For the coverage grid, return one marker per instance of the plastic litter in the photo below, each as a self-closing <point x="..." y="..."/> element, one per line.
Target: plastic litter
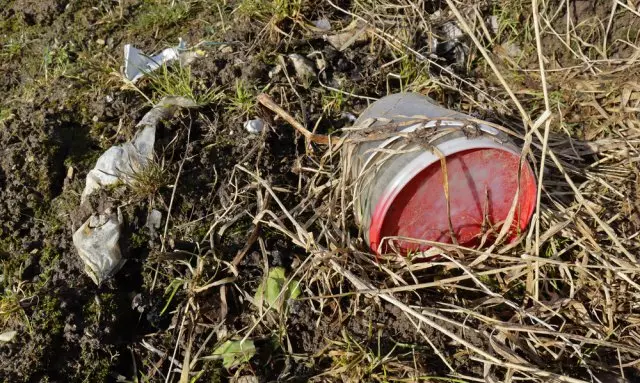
<point x="97" y="239"/>
<point x="121" y="162"/>
<point x="137" y="63"/>
<point x="154" y="220"/>
<point x="254" y="126"/>
<point x="451" y="31"/>
<point x="397" y="182"/>
<point x="97" y="242"/>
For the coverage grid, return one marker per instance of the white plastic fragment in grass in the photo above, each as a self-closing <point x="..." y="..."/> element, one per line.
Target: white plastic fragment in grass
<point x="254" y="126"/>
<point x="120" y="163"/>
<point x="137" y="63"/>
<point x="97" y="242"/>
<point x="154" y="220"/>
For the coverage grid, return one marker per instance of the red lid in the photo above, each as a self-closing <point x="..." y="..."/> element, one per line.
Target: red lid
<point x="482" y="182"/>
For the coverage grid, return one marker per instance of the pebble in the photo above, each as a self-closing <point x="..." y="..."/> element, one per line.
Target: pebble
<point x="254" y="126"/>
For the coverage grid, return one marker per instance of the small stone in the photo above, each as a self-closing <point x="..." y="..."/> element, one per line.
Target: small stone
<point x="305" y="69"/>
<point x="349" y="117"/>
<point x="323" y="24"/>
<point x="512" y="49"/>
<point x="254" y="126"/>
<point x="275" y="70"/>
<point x="95" y="119"/>
<point x="100" y="42"/>
<point x="451" y="31"/>
<point x="155" y="219"/>
<point x="494" y="24"/>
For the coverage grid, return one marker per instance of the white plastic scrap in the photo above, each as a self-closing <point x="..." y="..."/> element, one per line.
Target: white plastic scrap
<point x="154" y="220"/>
<point x="97" y="239"/>
<point x="97" y="242"/>
<point x="254" y="126"/>
<point x="137" y="64"/>
<point x="122" y="162"/>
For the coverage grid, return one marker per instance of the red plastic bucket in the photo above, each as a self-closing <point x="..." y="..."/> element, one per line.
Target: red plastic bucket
<point x="398" y="183"/>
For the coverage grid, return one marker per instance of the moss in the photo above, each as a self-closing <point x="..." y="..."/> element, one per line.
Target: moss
<point x="138" y="240"/>
<point x="105" y="304"/>
<point x="98" y="367"/>
<point x="155" y="15"/>
<point x="48" y="316"/>
<point x="274" y="11"/>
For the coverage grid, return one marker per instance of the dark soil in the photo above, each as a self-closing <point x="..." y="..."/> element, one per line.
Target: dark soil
<point x="63" y="105"/>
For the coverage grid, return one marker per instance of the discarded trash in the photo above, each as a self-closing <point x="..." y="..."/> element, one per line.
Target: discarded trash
<point x="494" y="24"/>
<point x="273" y="290"/>
<point x="154" y="220"/>
<point x="254" y="126"/>
<point x="8" y="336"/>
<point x="137" y="64"/>
<point x="398" y="182"/>
<point x="323" y="24"/>
<point x="121" y="162"/>
<point x="97" y="242"/>
<point x="97" y="239"/>
<point x="449" y="46"/>
<point x="235" y="352"/>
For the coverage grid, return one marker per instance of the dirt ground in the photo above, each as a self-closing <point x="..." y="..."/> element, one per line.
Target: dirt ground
<point x="179" y="295"/>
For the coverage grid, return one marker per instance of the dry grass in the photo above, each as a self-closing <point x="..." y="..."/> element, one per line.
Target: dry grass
<point x="560" y="304"/>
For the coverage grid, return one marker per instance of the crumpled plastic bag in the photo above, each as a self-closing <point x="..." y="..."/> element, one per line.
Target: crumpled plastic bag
<point x="97" y="242"/>
<point x="122" y="162"/>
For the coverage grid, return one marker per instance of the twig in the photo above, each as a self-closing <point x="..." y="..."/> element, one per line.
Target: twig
<point x="265" y="100"/>
<point x="545" y="140"/>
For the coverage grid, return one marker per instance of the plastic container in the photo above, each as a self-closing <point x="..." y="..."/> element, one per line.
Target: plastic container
<point x="397" y="181"/>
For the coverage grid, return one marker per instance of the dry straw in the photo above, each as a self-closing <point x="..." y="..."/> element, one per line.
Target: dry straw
<point x="560" y="304"/>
